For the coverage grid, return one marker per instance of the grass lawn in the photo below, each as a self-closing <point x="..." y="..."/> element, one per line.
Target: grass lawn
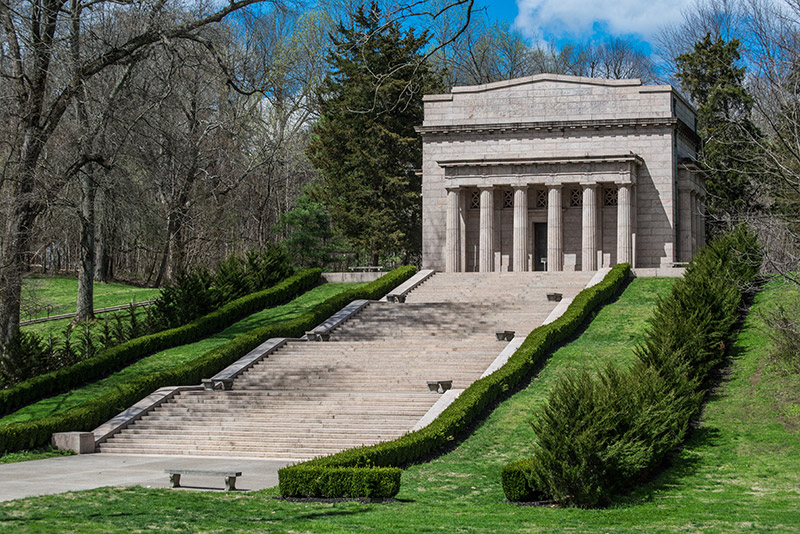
<point x="58" y="294"/>
<point x="39" y="454"/>
<point x="176" y="356"/>
<point x="56" y="328"/>
<point x="738" y="473"/>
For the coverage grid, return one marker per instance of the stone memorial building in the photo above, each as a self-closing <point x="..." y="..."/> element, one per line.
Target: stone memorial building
<point x="557" y="173"/>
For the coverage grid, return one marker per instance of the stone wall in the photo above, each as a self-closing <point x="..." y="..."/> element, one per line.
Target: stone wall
<point x="458" y="127"/>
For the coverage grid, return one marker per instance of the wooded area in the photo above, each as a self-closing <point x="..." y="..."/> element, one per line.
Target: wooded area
<point x="142" y="138"/>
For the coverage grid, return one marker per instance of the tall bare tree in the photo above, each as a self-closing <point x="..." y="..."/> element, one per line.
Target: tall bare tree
<point x="40" y="90"/>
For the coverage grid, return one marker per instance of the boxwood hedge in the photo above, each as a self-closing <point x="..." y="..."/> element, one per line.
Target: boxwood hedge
<point x="115" y="358"/>
<point x="332" y="476"/>
<point x="37" y="432"/>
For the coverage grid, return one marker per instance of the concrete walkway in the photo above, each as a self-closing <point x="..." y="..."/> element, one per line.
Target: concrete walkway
<point x="89" y="471"/>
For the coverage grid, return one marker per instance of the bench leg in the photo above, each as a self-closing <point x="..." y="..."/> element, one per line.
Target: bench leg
<point x="230" y="483"/>
<point x="175" y="480"/>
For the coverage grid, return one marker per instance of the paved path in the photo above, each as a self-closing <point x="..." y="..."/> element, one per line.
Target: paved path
<point x="88" y="471"/>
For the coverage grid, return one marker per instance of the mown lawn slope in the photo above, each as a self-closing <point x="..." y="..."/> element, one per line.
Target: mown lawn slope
<point x="175" y="356"/>
<point x="738" y="473"/>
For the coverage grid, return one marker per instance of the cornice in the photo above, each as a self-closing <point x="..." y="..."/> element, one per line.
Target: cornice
<point x="550" y="126"/>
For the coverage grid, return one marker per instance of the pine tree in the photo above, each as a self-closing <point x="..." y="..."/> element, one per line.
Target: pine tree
<point x="730" y="154"/>
<point x="309" y="238"/>
<point x="364" y="145"/>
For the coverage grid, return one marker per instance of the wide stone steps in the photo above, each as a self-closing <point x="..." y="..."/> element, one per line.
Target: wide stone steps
<point x="291" y="454"/>
<point x="315" y="429"/>
<point x="365" y="385"/>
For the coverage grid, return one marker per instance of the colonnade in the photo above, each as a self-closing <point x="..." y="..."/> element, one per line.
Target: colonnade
<point x="692" y="221"/>
<point x="590" y="231"/>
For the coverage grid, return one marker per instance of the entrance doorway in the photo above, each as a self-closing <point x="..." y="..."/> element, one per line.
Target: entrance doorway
<point x="539" y="246"/>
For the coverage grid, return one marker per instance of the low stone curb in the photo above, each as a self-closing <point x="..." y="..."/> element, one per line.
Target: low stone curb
<point x="340" y="317"/>
<point x="445" y="400"/>
<point x="126" y="417"/>
<point x="250" y="359"/>
<point x="406" y="287"/>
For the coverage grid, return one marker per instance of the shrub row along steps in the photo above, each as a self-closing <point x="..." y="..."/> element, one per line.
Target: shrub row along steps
<point x="367" y="384"/>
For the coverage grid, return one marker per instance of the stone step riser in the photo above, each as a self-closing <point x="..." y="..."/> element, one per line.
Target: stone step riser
<point x="286" y="414"/>
<point x="307" y="427"/>
<point x="366" y="385"/>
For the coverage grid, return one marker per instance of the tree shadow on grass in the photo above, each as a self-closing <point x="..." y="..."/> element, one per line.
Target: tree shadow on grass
<point x="677" y="468"/>
<point x="682" y="463"/>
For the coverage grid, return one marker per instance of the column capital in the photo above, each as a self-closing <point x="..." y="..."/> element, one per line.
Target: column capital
<point x="554" y="186"/>
<point x="485" y="187"/>
<point x="590" y="185"/>
<point x="453" y="188"/>
<point x="520" y="187"/>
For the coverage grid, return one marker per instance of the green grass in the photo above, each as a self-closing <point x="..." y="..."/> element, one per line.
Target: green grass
<point x="56" y="328"/>
<point x="175" y="356"/>
<point x="39" y="454"/>
<point x="59" y="294"/>
<point x="738" y="473"/>
<point x="44" y="296"/>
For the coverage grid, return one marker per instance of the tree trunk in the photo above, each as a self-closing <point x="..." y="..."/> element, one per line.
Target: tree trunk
<point x="101" y="261"/>
<point x="85" y="304"/>
<point x="85" y="310"/>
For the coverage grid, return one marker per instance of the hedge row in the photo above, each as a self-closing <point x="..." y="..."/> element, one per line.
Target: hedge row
<point x="332" y="476"/>
<point x="599" y="435"/>
<point x="36" y="433"/>
<point x="115" y="358"/>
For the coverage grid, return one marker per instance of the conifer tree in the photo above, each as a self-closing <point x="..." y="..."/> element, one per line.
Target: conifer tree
<point x="364" y="145"/>
<point x="730" y="153"/>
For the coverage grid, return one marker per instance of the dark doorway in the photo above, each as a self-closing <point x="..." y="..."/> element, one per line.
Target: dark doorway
<point x="539" y="246"/>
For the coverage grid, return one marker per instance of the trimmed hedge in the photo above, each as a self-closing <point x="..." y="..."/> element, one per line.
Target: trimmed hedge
<point x="115" y="358"/>
<point x="352" y="482"/>
<point x="37" y="432"/>
<point x="599" y="435"/>
<point x="299" y="479"/>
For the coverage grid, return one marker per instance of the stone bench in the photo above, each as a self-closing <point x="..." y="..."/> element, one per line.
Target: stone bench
<point x="434" y="385"/>
<point x="230" y="476"/>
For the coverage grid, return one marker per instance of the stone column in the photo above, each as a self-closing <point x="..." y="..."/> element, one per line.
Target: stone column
<point x="701" y="222"/>
<point x="555" y="236"/>
<point x="693" y="221"/>
<point x="520" y="228"/>
<point x="684" y="219"/>
<point x="624" y="227"/>
<point x="589" y="228"/>
<point x="452" y="260"/>
<point x="486" y="242"/>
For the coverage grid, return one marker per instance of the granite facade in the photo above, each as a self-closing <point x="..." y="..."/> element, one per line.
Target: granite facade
<point x="551" y="130"/>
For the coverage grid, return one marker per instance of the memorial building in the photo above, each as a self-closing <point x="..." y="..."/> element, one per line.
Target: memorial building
<point x="560" y="173"/>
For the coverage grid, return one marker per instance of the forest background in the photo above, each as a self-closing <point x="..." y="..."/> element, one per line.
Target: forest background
<point x="140" y="139"/>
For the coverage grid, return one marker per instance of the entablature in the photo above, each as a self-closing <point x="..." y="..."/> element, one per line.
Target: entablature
<point x="590" y="169"/>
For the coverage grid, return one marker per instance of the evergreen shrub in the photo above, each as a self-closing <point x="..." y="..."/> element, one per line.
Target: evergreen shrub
<point x="599" y="435"/>
<point x="462" y="412"/>
<point x="198" y="292"/>
<point x="115" y="358"/>
<point x="37" y="432"/>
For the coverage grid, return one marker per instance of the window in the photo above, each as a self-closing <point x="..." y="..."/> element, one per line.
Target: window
<point x="610" y="196"/>
<point x="575" y="197"/>
<point x="540" y="202"/>
<point x="475" y="200"/>
<point x="508" y="199"/>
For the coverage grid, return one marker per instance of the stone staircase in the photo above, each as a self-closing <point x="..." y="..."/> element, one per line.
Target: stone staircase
<point x="367" y="384"/>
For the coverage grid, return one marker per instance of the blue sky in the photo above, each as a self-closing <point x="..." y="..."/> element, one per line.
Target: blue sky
<point x="560" y="21"/>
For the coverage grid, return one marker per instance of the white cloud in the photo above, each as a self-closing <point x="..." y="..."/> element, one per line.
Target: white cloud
<point x="576" y="17"/>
